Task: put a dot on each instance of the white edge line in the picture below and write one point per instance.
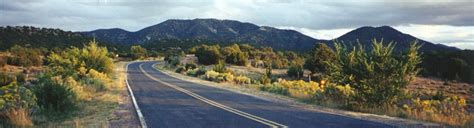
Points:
(139, 112)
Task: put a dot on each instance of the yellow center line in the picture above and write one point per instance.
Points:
(216, 104)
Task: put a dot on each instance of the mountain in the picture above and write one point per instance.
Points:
(40, 37)
(209, 30)
(229, 31)
(365, 35)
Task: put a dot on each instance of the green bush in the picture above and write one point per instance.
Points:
(173, 60)
(201, 71)
(180, 70)
(208, 55)
(192, 72)
(20, 77)
(13, 96)
(53, 96)
(190, 66)
(138, 52)
(6, 79)
(378, 76)
(275, 88)
(220, 68)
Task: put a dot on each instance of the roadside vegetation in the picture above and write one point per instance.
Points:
(372, 80)
(72, 84)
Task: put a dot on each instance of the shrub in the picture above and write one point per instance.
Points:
(208, 54)
(377, 76)
(25, 57)
(190, 66)
(90, 57)
(339, 95)
(218, 77)
(97, 80)
(201, 71)
(180, 70)
(3, 62)
(78, 89)
(234, 55)
(450, 110)
(275, 88)
(265, 80)
(192, 72)
(54, 97)
(227, 77)
(20, 77)
(14, 96)
(242, 80)
(95, 57)
(220, 68)
(138, 52)
(300, 88)
(174, 60)
(6, 79)
(211, 75)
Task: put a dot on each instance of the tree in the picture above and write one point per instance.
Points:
(378, 76)
(234, 55)
(208, 55)
(295, 71)
(138, 52)
(318, 59)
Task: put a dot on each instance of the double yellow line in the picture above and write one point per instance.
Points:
(216, 104)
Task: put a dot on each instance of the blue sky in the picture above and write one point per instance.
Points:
(449, 22)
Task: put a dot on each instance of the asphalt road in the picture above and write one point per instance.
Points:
(169, 102)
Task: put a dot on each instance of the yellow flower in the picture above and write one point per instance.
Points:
(462, 102)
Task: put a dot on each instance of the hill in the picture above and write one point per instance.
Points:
(365, 35)
(210, 30)
(42, 37)
(230, 31)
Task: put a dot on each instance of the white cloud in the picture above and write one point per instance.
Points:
(449, 22)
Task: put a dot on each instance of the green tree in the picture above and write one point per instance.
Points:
(378, 76)
(208, 55)
(295, 71)
(138, 52)
(319, 57)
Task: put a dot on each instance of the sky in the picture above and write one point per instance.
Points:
(450, 22)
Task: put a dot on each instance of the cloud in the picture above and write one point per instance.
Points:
(320, 19)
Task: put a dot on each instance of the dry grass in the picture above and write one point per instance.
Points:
(19, 117)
